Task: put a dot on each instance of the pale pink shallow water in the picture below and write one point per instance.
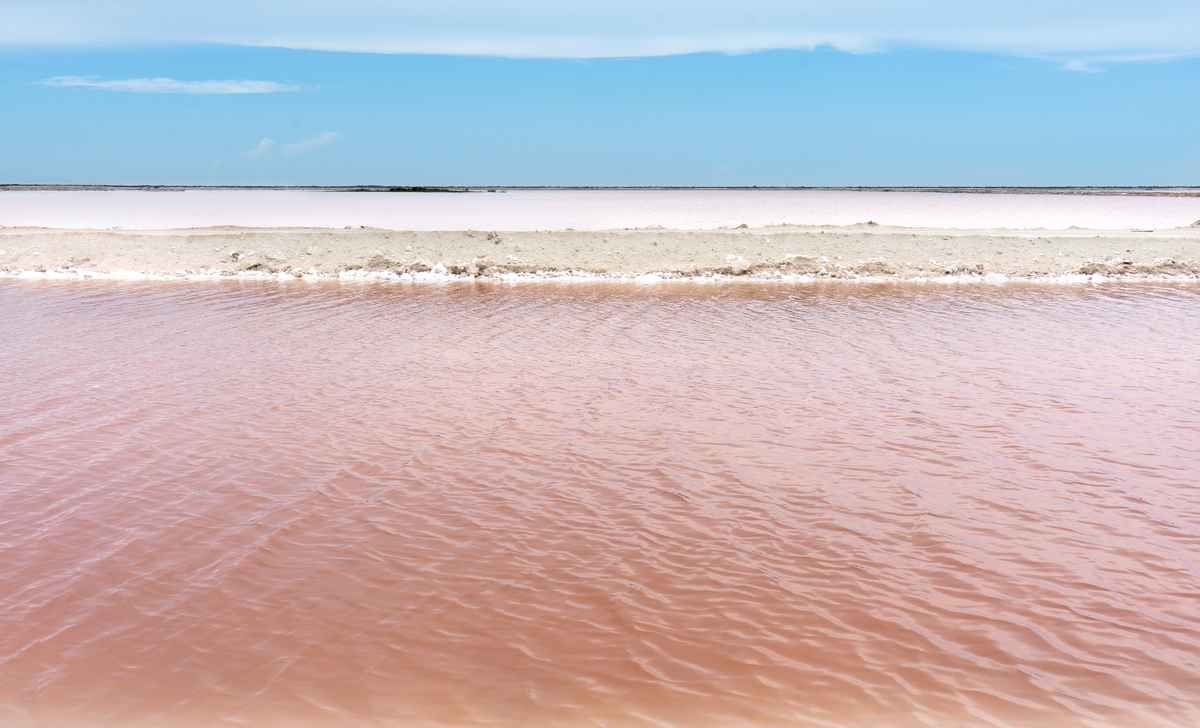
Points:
(586, 209)
(599, 504)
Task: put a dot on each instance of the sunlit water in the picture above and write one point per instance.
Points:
(599, 504)
(586, 209)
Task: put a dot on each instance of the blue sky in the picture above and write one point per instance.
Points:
(523, 93)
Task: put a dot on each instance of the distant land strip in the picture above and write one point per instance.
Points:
(1148, 191)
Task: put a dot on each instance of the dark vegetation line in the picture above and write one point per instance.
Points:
(1175, 191)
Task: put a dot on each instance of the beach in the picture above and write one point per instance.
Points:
(599, 233)
(828, 252)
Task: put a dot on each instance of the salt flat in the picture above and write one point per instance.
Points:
(596, 209)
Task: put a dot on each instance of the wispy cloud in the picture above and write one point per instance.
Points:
(1081, 65)
(1061, 29)
(268, 146)
(170, 85)
(309, 145)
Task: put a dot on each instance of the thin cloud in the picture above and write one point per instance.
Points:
(1080, 65)
(170, 85)
(309, 145)
(268, 147)
(1079, 31)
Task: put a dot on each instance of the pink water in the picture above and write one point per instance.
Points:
(599, 504)
(587, 209)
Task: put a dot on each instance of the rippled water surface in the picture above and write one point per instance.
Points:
(546, 504)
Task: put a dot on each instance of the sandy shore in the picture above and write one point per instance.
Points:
(837, 252)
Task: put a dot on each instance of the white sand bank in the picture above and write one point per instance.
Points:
(838, 252)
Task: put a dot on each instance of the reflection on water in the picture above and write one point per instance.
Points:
(301, 504)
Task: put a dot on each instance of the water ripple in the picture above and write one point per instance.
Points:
(599, 504)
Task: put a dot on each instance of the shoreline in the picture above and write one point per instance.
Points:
(849, 252)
